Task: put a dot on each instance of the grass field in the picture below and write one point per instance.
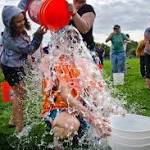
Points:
(134, 92)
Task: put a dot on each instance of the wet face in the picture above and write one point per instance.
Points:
(19, 22)
(73, 36)
(78, 3)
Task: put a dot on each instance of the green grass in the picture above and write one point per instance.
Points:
(134, 89)
(5, 131)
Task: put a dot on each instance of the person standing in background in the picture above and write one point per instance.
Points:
(118, 54)
(140, 54)
(100, 52)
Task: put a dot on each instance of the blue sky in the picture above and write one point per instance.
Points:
(132, 15)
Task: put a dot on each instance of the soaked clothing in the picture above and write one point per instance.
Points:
(66, 74)
(54, 103)
(88, 37)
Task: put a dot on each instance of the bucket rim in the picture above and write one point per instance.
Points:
(130, 131)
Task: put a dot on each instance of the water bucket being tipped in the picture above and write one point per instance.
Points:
(52, 14)
(130, 132)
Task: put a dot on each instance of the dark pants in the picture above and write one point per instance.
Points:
(142, 66)
(147, 62)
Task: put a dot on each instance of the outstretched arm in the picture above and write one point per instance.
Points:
(28, 48)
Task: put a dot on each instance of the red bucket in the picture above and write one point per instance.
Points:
(5, 91)
(52, 14)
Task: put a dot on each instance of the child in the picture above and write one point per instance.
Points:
(140, 53)
(16, 48)
(65, 110)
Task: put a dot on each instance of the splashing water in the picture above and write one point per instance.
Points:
(67, 47)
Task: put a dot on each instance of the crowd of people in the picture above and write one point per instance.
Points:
(17, 47)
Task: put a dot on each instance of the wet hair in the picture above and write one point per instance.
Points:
(73, 36)
(13, 30)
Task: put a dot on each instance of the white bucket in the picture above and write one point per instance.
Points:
(118, 78)
(131, 126)
(130, 141)
(130, 132)
(118, 146)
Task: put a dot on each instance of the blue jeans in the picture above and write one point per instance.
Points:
(118, 61)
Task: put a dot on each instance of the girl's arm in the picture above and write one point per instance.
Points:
(29, 48)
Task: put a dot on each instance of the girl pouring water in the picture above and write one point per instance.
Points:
(16, 48)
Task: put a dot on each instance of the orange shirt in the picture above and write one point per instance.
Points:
(66, 74)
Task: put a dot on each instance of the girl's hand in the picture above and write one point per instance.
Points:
(41, 30)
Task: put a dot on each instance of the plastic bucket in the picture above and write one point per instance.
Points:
(118, 146)
(130, 132)
(52, 14)
(130, 141)
(55, 14)
(118, 78)
(131, 126)
(5, 91)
